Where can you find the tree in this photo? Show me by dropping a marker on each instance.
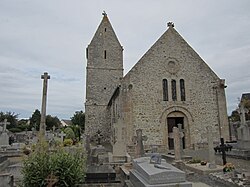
(79, 119)
(235, 116)
(11, 117)
(52, 121)
(35, 119)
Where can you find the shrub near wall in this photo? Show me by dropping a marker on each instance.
(68, 168)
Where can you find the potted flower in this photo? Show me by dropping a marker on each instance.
(228, 167)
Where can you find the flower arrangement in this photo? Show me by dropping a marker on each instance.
(228, 167)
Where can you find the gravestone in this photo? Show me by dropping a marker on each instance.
(181, 131)
(145, 174)
(4, 137)
(119, 147)
(244, 130)
(62, 135)
(177, 144)
(211, 158)
(138, 140)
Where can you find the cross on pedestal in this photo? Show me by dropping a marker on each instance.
(62, 135)
(45, 78)
(177, 136)
(4, 124)
(211, 158)
(178, 144)
(223, 149)
(138, 140)
(242, 111)
(181, 131)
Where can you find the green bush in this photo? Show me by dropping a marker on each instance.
(14, 130)
(68, 142)
(69, 133)
(68, 168)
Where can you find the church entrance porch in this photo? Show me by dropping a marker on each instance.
(174, 122)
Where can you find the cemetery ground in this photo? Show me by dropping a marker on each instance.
(197, 179)
(241, 165)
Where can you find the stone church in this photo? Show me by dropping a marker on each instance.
(169, 85)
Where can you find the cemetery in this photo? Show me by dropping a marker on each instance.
(130, 141)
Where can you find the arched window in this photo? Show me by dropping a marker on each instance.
(182, 88)
(105, 54)
(173, 85)
(165, 89)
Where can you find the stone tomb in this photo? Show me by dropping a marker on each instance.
(145, 174)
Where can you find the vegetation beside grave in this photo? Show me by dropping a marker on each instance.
(43, 167)
(194, 161)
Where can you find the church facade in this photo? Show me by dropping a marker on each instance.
(169, 86)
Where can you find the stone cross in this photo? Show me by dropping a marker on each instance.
(177, 144)
(223, 149)
(211, 157)
(5, 123)
(53, 129)
(138, 140)
(62, 135)
(45, 78)
(181, 136)
(242, 111)
(99, 137)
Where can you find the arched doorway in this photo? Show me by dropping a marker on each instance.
(171, 123)
(171, 117)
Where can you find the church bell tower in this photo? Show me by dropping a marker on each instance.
(104, 71)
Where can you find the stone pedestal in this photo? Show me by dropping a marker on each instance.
(243, 142)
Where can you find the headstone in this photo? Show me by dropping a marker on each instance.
(211, 158)
(181, 137)
(119, 147)
(4, 124)
(62, 135)
(177, 145)
(138, 140)
(145, 174)
(243, 131)
(4, 137)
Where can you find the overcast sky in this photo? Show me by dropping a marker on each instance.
(52, 35)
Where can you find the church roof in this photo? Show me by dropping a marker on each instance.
(172, 39)
(104, 26)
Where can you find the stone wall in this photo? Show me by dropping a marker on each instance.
(172, 58)
(140, 102)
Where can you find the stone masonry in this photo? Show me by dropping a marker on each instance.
(104, 71)
(195, 94)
